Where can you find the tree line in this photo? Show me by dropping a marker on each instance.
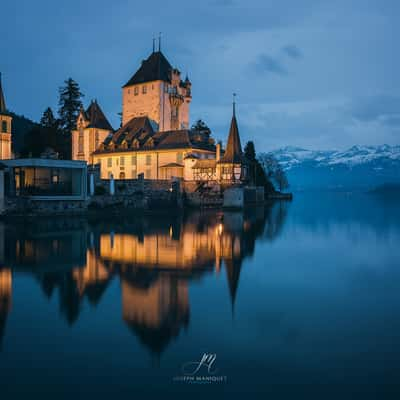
(54, 132)
(267, 172)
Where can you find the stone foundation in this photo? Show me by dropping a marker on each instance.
(20, 206)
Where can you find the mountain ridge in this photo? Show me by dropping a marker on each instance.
(359, 167)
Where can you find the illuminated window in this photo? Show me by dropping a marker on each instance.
(227, 173)
(148, 159)
(55, 176)
(136, 90)
(80, 141)
(144, 89)
(122, 161)
(109, 162)
(122, 175)
(134, 160)
(4, 126)
(179, 158)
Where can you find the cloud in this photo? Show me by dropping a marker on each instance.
(292, 51)
(268, 64)
(380, 108)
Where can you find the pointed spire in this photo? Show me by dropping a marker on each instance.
(159, 41)
(3, 107)
(154, 45)
(233, 268)
(233, 152)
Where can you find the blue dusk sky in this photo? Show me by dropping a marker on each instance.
(310, 73)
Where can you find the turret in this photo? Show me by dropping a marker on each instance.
(156, 91)
(232, 164)
(5, 127)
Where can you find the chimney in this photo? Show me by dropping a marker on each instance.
(218, 151)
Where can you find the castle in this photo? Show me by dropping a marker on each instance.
(155, 138)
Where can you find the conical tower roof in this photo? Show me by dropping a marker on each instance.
(3, 108)
(233, 153)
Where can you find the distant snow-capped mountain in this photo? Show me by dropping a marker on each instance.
(357, 167)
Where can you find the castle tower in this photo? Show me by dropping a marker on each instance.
(157, 91)
(5, 128)
(92, 128)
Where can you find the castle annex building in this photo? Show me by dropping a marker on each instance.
(155, 139)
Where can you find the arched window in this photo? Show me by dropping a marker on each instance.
(4, 126)
(122, 175)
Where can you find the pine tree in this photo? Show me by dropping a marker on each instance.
(48, 120)
(69, 105)
(250, 151)
(257, 173)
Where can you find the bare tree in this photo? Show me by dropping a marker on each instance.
(281, 179)
(274, 171)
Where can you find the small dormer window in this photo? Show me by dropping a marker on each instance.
(136, 91)
(144, 89)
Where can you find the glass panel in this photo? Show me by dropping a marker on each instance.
(41, 181)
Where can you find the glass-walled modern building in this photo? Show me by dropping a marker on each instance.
(46, 179)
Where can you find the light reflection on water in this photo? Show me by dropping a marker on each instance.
(305, 292)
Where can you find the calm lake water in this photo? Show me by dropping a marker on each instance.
(301, 296)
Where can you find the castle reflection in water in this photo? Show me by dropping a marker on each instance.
(154, 259)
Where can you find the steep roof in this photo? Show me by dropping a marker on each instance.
(138, 128)
(233, 153)
(155, 68)
(3, 107)
(96, 117)
(138, 135)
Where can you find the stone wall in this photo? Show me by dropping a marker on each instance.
(20, 206)
(202, 194)
(234, 197)
(137, 194)
(130, 187)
